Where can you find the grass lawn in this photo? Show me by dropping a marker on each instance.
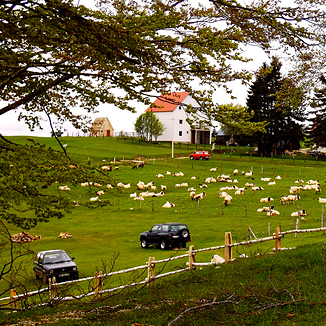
(109, 234)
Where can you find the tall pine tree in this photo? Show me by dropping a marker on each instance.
(317, 126)
(280, 103)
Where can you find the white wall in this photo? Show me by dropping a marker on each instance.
(172, 120)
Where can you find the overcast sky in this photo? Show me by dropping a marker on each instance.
(124, 120)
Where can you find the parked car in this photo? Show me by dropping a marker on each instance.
(315, 153)
(165, 235)
(55, 263)
(200, 155)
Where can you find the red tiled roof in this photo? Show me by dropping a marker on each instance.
(167, 102)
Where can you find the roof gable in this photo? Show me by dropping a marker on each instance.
(167, 102)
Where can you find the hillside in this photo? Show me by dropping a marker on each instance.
(284, 289)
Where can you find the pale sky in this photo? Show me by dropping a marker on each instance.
(124, 120)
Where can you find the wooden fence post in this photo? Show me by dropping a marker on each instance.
(96, 286)
(278, 244)
(13, 302)
(228, 250)
(149, 270)
(297, 227)
(100, 283)
(191, 257)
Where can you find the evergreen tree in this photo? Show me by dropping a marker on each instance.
(279, 102)
(316, 129)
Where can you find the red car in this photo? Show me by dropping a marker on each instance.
(200, 155)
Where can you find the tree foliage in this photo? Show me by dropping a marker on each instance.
(316, 129)
(56, 55)
(276, 100)
(148, 124)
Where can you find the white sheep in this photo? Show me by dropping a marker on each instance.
(266, 179)
(159, 175)
(168, 173)
(266, 200)
(213, 170)
(159, 194)
(201, 185)
(134, 195)
(168, 205)
(322, 200)
(273, 212)
(139, 198)
(199, 196)
(255, 188)
(191, 189)
(193, 178)
(272, 183)
(216, 259)
(249, 184)
(64, 188)
(94, 199)
(227, 200)
(100, 193)
(235, 171)
(302, 213)
(163, 187)
(278, 177)
(248, 174)
(239, 192)
(265, 209)
(109, 186)
(184, 184)
(192, 194)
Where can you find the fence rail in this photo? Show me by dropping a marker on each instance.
(14, 298)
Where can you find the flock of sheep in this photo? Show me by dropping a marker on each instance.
(145, 190)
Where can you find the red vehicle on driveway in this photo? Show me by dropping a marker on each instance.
(200, 155)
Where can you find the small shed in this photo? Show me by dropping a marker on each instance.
(101, 127)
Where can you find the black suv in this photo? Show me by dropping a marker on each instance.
(165, 235)
(55, 263)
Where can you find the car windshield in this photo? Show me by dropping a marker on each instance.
(56, 257)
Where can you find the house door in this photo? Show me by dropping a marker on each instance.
(108, 133)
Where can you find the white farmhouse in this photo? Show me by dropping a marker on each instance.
(170, 110)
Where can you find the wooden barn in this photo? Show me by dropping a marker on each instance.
(101, 127)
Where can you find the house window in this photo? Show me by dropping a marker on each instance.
(180, 133)
(180, 122)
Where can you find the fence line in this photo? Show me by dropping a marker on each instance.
(150, 266)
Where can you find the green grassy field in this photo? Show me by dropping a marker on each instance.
(99, 234)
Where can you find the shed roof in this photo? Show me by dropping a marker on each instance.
(99, 122)
(167, 102)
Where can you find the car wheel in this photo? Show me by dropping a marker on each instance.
(201, 158)
(184, 245)
(144, 243)
(163, 245)
(184, 233)
(191, 157)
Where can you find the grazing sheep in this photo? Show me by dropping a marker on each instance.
(192, 194)
(159, 194)
(64, 188)
(168, 205)
(302, 213)
(322, 200)
(185, 184)
(272, 183)
(249, 184)
(213, 170)
(265, 209)
(140, 185)
(191, 189)
(107, 168)
(109, 186)
(153, 188)
(284, 200)
(266, 200)
(235, 181)
(313, 182)
(168, 173)
(266, 179)
(199, 196)
(248, 174)
(139, 198)
(178, 174)
(318, 189)
(216, 259)
(94, 199)
(202, 185)
(100, 193)
(273, 212)
(235, 171)
(163, 187)
(193, 178)
(177, 185)
(223, 194)
(293, 198)
(159, 175)
(256, 188)
(278, 177)
(299, 181)
(227, 200)
(294, 192)
(97, 184)
(134, 195)
(239, 192)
